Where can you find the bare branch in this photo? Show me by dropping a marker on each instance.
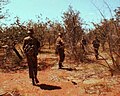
(98, 10)
(108, 8)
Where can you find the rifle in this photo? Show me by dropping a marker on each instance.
(17, 53)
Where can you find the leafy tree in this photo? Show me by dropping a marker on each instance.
(3, 13)
(73, 31)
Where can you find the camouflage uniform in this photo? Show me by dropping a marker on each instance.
(60, 50)
(96, 44)
(32, 56)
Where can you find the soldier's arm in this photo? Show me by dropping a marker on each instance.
(62, 41)
(38, 44)
(24, 44)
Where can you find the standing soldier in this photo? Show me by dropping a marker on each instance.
(60, 49)
(84, 44)
(30, 47)
(96, 45)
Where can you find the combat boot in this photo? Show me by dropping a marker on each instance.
(33, 82)
(60, 65)
(37, 81)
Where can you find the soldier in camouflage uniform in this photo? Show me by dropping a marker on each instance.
(30, 47)
(60, 50)
(96, 45)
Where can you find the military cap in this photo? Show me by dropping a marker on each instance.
(60, 34)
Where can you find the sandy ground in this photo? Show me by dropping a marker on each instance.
(85, 79)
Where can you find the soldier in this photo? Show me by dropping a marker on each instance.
(60, 49)
(30, 47)
(84, 43)
(96, 45)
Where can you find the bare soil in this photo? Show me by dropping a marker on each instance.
(83, 79)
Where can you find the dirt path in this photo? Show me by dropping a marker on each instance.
(89, 79)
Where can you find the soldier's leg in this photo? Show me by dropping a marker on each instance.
(33, 81)
(83, 47)
(35, 73)
(35, 69)
(96, 53)
(31, 69)
(36, 79)
(60, 63)
(62, 56)
(31, 74)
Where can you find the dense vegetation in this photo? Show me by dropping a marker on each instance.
(108, 32)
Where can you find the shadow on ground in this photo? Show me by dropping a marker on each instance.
(69, 69)
(48, 87)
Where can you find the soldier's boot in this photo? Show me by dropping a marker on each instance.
(37, 81)
(33, 82)
(60, 65)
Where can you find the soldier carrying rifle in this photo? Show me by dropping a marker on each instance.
(60, 49)
(30, 47)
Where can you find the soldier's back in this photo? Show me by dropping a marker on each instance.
(96, 43)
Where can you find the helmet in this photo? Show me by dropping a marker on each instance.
(30, 31)
(59, 34)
